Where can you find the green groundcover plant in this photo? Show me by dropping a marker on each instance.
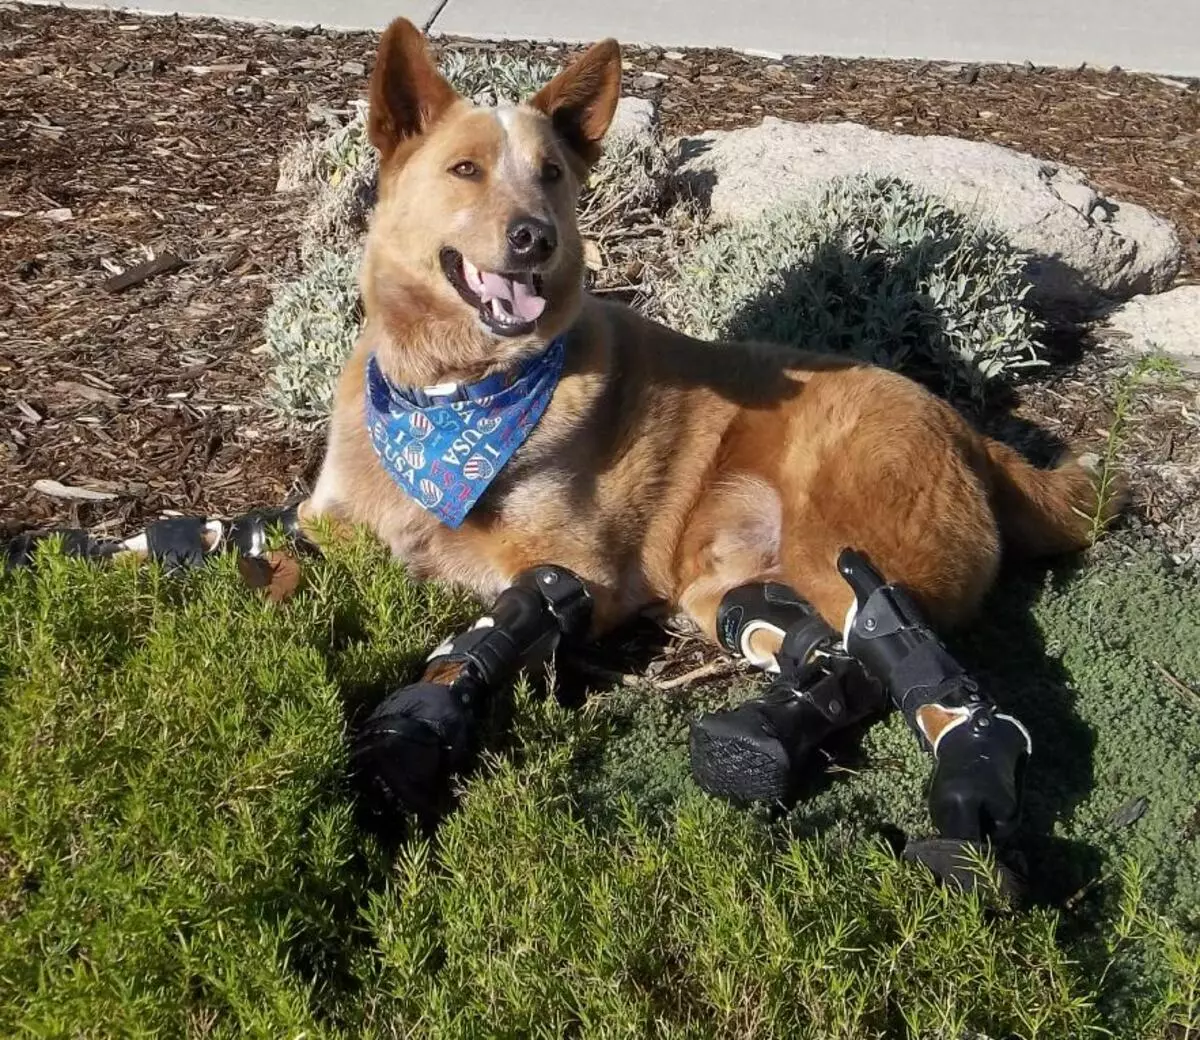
(179, 854)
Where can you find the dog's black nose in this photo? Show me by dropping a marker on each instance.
(531, 240)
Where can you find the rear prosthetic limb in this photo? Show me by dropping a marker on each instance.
(825, 682)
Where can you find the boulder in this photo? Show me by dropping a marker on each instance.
(1167, 324)
(1087, 251)
(635, 120)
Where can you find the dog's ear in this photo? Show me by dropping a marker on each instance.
(581, 99)
(408, 94)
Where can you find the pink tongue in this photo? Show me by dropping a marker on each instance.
(525, 304)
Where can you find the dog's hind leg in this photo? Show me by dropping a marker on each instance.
(733, 590)
(756, 752)
(980, 752)
(828, 681)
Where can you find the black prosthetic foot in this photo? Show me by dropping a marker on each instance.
(20, 552)
(758, 751)
(968, 865)
(406, 754)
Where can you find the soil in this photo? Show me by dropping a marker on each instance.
(125, 139)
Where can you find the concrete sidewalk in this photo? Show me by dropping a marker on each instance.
(1153, 36)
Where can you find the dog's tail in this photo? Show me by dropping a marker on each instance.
(1044, 512)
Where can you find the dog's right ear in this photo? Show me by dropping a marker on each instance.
(408, 94)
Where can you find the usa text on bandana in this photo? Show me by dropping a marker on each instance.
(444, 450)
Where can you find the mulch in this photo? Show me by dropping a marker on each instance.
(141, 232)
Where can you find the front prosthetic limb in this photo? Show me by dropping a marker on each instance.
(404, 756)
(757, 751)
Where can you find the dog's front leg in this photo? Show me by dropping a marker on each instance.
(404, 757)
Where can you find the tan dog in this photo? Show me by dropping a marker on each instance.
(665, 469)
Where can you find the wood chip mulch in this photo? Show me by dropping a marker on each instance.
(141, 233)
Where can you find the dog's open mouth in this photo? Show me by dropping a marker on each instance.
(508, 304)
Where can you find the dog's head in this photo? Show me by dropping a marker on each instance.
(474, 257)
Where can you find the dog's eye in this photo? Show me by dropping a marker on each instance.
(551, 172)
(465, 169)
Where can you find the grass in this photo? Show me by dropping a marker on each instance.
(178, 853)
(1150, 367)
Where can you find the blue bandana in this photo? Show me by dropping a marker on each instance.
(444, 449)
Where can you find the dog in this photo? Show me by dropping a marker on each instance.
(505, 432)
(663, 470)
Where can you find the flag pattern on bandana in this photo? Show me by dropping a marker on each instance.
(444, 450)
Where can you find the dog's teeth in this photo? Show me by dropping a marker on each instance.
(472, 276)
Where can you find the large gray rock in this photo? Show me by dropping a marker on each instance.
(1088, 250)
(634, 122)
(1167, 324)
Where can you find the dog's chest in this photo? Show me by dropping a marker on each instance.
(430, 550)
(530, 512)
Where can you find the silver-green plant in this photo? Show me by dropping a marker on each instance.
(492, 78)
(873, 269)
(310, 329)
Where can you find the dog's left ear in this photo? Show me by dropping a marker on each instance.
(581, 99)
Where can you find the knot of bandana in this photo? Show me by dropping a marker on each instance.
(443, 449)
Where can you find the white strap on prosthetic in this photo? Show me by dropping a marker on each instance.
(851, 616)
(767, 662)
(960, 717)
(1021, 726)
(446, 646)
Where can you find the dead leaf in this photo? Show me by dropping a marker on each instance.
(278, 573)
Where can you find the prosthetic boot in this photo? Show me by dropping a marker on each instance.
(980, 752)
(406, 752)
(756, 751)
(20, 552)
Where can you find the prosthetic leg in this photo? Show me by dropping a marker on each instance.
(406, 752)
(179, 542)
(756, 751)
(887, 652)
(980, 752)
